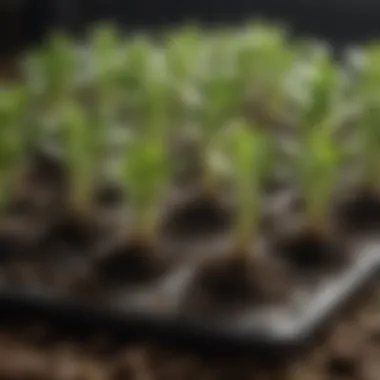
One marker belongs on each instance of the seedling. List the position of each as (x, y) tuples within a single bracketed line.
[(264, 43), (248, 151), (12, 113), (146, 87), (369, 131), (249, 65), (185, 54), (51, 75), (80, 156), (108, 61), (263, 61), (319, 89), (146, 174), (157, 97), (51, 71), (221, 102), (244, 275), (319, 156), (318, 164), (183, 51)]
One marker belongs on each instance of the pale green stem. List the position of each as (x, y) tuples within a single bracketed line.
[(318, 204), (247, 218), (146, 222)]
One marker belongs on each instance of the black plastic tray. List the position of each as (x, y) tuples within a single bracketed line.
[(283, 330)]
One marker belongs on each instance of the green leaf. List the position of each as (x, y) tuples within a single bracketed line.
[(80, 154), (12, 147), (146, 172), (182, 49), (248, 151), (54, 67), (318, 165), (324, 84)]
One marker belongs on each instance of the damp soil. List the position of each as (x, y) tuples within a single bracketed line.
[(232, 280), (360, 211), (308, 250)]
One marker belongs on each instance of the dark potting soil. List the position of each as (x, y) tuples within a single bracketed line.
[(360, 212), (125, 262), (199, 214), (76, 232), (228, 281), (109, 194), (308, 250)]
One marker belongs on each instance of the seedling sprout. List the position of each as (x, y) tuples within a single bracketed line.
[(248, 150), (220, 104), (51, 71), (320, 88), (368, 93), (107, 60), (12, 112), (318, 165), (146, 174), (80, 154)]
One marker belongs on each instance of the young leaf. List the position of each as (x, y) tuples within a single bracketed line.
[(146, 172), (12, 113), (108, 62), (183, 49), (263, 61), (323, 89), (157, 97), (139, 55), (52, 70), (222, 100), (80, 155), (318, 164), (248, 152), (368, 98)]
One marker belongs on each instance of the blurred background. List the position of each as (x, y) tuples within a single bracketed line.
[(26, 21)]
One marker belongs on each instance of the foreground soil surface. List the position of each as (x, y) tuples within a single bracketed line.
[(349, 350)]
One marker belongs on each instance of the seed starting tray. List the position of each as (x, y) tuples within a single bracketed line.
[(283, 327)]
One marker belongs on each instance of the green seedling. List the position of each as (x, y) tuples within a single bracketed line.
[(317, 169), (370, 143), (257, 45), (51, 72), (80, 154), (146, 174), (139, 51), (141, 78), (247, 152), (51, 78), (368, 93), (183, 50), (157, 98), (12, 147), (185, 53), (263, 59), (318, 156), (221, 102), (108, 62), (319, 89)]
